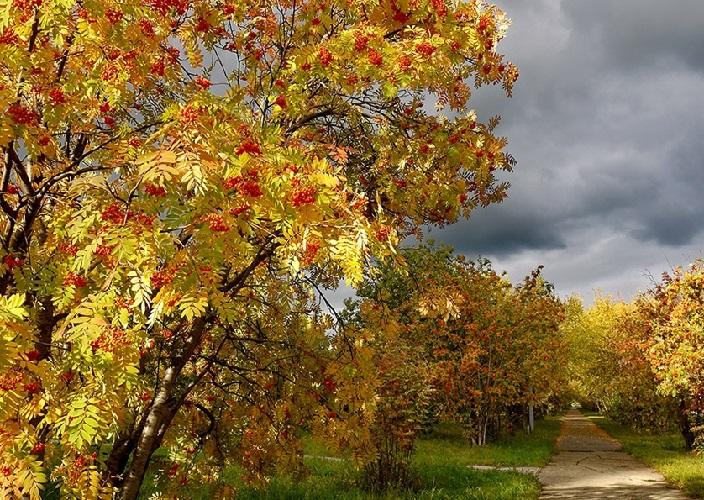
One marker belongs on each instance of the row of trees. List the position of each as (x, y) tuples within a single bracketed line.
[(453, 339), (176, 179), (642, 362)]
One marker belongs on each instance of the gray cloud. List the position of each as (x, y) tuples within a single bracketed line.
[(606, 123), (501, 231), (637, 32)]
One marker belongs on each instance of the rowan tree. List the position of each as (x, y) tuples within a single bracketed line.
[(172, 171), (453, 339), (609, 363), (674, 308)]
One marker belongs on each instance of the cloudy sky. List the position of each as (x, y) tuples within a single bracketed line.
[(607, 125)]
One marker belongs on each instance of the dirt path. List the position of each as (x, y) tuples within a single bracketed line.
[(590, 464)]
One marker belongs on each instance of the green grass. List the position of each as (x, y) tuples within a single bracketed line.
[(664, 452), (337, 480), (446, 443), (440, 461)]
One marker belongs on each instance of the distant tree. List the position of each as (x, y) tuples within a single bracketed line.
[(455, 338), (676, 347)]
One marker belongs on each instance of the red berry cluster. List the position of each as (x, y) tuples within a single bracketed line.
[(114, 15), (483, 24), (38, 448), (11, 261), (8, 37), (113, 213), (158, 67), (26, 5), (239, 210), (382, 234), (202, 25), (57, 96), (12, 189), (31, 387), (73, 279), (312, 248), (123, 303), (404, 62), (189, 114), (425, 48), (67, 248), (109, 73), (360, 42), (281, 101), (66, 376), (33, 355), (163, 7), (325, 57), (202, 83), (303, 196), (143, 219), (216, 223), (174, 53), (161, 278), (173, 470), (250, 147), (440, 7), (108, 341), (247, 185), (22, 115), (399, 15), (103, 250), (147, 28), (154, 190), (76, 468), (10, 379), (375, 58)]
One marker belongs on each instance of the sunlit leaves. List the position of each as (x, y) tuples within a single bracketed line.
[(180, 177)]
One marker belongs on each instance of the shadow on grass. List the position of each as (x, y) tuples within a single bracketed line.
[(338, 480), (328, 481), (441, 461)]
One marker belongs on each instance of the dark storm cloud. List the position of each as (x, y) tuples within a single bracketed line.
[(637, 32), (498, 231), (606, 124)]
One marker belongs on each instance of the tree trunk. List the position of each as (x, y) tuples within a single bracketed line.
[(166, 401), (686, 425), (531, 418), (159, 416), (162, 411)]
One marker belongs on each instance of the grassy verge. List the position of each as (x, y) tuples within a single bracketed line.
[(440, 460), (664, 452), (446, 443)]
